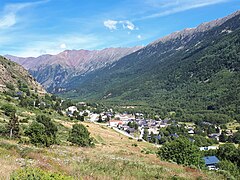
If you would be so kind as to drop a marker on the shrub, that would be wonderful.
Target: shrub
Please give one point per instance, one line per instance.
(79, 135)
(3, 130)
(42, 131)
(8, 109)
(10, 86)
(181, 151)
(230, 167)
(35, 173)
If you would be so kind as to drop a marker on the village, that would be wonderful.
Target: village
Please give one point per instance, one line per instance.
(157, 131)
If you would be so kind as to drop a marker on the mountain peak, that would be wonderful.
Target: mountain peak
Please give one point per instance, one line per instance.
(201, 28)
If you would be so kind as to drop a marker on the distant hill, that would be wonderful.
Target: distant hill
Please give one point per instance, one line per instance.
(192, 70)
(11, 74)
(52, 71)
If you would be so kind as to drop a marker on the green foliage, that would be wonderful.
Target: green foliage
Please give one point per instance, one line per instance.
(223, 137)
(10, 86)
(133, 125)
(42, 132)
(26, 102)
(3, 130)
(100, 120)
(80, 118)
(13, 127)
(145, 134)
(232, 168)
(9, 110)
(37, 174)
(80, 136)
(181, 151)
(36, 133)
(236, 137)
(202, 141)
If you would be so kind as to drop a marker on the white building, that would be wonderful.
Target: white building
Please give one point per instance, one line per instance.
(70, 110)
(115, 123)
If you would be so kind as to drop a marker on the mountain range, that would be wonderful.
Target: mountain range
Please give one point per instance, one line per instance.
(53, 71)
(193, 70)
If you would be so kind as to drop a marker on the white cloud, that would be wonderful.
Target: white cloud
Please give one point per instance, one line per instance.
(7, 20)
(128, 25)
(9, 15)
(63, 46)
(180, 6)
(113, 25)
(110, 24)
(139, 36)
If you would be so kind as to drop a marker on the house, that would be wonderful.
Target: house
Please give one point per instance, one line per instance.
(214, 136)
(70, 110)
(190, 131)
(211, 162)
(115, 123)
(94, 117)
(153, 130)
(208, 148)
(130, 130)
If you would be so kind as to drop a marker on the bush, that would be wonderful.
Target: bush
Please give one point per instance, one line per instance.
(35, 174)
(3, 130)
(10, 86)
(8, 109)
(230, 167)
(79, 135)
(42, 131)
(181, 151)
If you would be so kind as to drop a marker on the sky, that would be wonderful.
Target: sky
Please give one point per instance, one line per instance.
(36, 27)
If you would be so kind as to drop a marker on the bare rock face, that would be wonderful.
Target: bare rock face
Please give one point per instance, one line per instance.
(11, 73)
(54, 70)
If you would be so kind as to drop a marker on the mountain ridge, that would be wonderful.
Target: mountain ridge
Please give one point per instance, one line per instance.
(54, 70)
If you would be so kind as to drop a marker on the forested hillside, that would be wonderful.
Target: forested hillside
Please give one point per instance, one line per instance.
(193, 73)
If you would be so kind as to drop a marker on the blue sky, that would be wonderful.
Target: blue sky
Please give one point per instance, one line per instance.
(35, 27)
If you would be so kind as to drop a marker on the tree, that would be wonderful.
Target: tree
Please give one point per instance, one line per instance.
(133, 125)
(223, 137)
(181, 151)
(80, 118)
(9, 110)
(36, 133)
(42, 131)
(236, 137)
(75, 113)
(100, 119)
(145, 134)
(80, 135)
(230, 167)
(226, 151)
(13, 126)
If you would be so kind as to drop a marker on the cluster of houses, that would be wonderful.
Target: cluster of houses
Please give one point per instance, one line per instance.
(123, 121)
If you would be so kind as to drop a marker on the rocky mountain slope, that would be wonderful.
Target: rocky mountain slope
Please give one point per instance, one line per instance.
(11, 74)
(192, 70)
(52, 71)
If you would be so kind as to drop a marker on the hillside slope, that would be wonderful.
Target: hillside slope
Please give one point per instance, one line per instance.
(11, 74)
(114, 157)
(192, 70)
